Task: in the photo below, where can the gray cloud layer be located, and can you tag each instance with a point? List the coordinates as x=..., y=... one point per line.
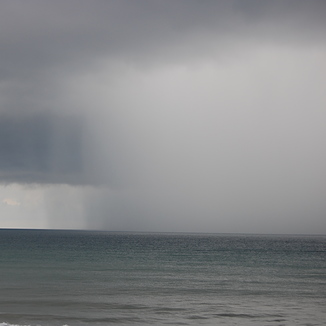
x=44, y=42
x=38, y=36
x=189, y=108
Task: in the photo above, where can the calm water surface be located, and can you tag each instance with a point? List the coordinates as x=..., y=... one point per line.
x=105, y=278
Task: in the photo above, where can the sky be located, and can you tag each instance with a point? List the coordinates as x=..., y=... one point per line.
x=163, y=115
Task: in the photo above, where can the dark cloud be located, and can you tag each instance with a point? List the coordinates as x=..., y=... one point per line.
x=41, y=148
x=38, y=36
x=50, y=148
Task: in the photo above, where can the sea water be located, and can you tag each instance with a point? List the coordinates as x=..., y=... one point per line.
x=106, y=278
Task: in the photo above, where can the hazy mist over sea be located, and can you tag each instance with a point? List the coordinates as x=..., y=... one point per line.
x=195, y=116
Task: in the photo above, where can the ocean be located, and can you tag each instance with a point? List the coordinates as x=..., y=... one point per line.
x=55, y=277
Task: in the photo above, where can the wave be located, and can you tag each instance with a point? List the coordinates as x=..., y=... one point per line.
x=8, y=324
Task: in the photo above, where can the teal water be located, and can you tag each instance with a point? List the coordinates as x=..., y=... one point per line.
x=105, y=278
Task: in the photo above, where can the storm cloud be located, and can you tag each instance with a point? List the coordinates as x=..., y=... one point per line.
x=166, y=115
x=40, y=148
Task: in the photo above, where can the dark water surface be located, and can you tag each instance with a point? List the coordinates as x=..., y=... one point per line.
x=105, y=278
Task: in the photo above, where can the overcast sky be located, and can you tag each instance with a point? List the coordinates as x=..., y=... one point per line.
x=163, y=115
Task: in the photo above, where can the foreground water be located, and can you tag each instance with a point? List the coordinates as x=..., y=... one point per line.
x=102, y=278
